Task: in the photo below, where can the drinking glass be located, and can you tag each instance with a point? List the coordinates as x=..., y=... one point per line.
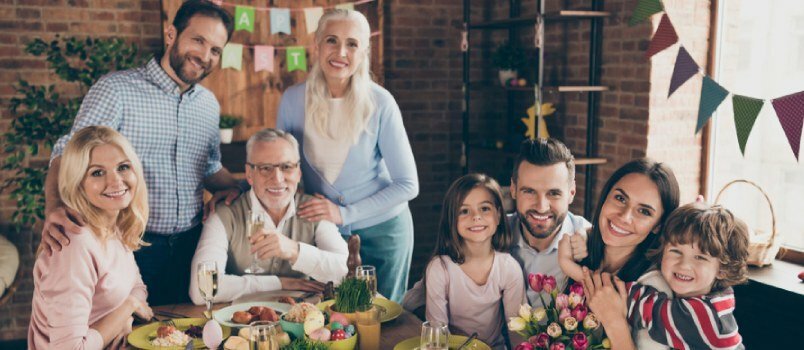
x=255, y=224
x=369, y=274
x=263, y=335
x=207, y=273
x=368, y=327
x=435, y=336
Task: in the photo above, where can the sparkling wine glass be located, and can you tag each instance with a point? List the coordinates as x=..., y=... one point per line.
x=207, y=272
x=263, y=335
x=255, y=225
x=368, y=273
x=435, y=336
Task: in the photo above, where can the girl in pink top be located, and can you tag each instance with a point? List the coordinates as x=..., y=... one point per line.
x=472, y=283
x=85, y=295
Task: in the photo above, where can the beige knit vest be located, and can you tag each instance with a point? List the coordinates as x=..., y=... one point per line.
x=235, y=221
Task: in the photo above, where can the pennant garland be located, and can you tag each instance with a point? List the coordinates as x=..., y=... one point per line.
x=296, y=58
x=346, y=6
x=311, y=17
x=790, y=110
x=684, y=69
x=665, y=37
x=746, y=110
x=232, y=56
x=244, y=18
x=712, y=95
x=280, y=20
x=263, y=58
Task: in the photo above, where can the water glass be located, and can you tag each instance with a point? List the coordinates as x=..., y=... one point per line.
x=263, y=335
x=435, y=336
x=255, y=224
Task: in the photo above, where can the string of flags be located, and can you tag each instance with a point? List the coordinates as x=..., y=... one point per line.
x=789, y=109
x=295, y=56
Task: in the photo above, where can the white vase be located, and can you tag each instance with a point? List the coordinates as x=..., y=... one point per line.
x=226, y=135
x=506, y=74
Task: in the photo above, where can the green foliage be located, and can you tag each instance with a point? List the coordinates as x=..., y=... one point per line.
x=229, y=121
x=508, y=56
x=353, y=294
x=42, y=115
x=305, y=344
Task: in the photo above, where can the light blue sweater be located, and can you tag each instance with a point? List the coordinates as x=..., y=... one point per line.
x=379, y=175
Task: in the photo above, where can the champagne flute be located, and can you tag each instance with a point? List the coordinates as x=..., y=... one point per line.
x=207, y=272
x=263, y=336
x=435, y=336
x=368, y=273
x=255, y=225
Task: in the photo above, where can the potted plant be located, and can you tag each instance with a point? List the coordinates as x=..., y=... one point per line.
x=509, y=59
x=353, y=294
x=227, y=123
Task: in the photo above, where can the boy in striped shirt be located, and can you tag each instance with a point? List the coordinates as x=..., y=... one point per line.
x=702, y=254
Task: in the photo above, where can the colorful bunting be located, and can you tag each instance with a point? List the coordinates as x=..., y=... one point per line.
x=684, y=70
x=790, y=110
x=263, y=58
x=296, y=58
x=746, y=110
x=218, y=2
x=244, y=18
x=665, y=37
x=232, y=56
x=311, y=17
x=645, y=9
x=280, y=20
x=346, y=6
x=712, y=95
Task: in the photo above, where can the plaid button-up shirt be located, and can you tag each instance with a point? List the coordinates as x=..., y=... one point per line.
x=175, y=135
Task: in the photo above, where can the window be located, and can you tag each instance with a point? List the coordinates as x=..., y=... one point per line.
x=760, y=50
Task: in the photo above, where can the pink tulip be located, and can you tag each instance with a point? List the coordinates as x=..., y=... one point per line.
x=542, y=340
x=579, y=341
x=549, y=283
x=577, y=288
x=579, y=312
x=535, y=281
x=557, y=346
x=562, y=301
x=563, y=314
x=524, y=346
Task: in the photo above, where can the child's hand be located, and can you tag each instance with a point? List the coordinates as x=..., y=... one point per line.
x=565, y=258
x=578, y=243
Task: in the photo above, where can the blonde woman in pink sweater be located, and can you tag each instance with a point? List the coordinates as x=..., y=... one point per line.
x=85, y=294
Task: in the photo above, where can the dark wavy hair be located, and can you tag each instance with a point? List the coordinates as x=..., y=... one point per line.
x=205, y=8
x=448, y=241
x=638, y=263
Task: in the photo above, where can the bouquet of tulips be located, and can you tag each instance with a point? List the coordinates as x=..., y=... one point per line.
x=565, y=322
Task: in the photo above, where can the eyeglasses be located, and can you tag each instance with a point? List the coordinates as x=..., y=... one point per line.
x=268, y=169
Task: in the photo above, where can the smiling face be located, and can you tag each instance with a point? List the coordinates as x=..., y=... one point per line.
x=631, y=212
x=478, y=217
x=689, y=271
x=275, y=174
x=195, y=53
x=543, y=195
x=341, y=51
x=110, y=181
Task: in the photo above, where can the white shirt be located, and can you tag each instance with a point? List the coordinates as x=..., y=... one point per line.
x=325, y=261
x=325, y=154
x=546, y=261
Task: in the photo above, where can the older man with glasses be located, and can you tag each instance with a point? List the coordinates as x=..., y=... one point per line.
x=295, y=254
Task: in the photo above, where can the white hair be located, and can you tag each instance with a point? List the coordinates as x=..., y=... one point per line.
x=271, y=135
x=358, y=100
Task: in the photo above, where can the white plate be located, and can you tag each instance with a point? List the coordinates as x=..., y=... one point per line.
x=224, y=316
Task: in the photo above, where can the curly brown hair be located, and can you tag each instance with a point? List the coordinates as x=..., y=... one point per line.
x=717, y=232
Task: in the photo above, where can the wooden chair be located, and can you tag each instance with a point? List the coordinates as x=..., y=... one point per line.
x=12, y=288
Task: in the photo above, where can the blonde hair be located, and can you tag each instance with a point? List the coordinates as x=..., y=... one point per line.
x=74, y=165
x=358, y=101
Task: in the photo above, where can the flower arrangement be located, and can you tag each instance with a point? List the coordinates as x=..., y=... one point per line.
x=565, y=323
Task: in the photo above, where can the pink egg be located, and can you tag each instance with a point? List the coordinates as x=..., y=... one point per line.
x=340, y=318
x=321, y=334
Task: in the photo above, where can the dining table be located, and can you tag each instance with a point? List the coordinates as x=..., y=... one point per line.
x=392, y=332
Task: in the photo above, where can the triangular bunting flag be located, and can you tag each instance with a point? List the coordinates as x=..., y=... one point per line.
x=280, y=20
x=244, y=18
x=232, y=56
x=263, y=58
x=684, y=70
x=311, y=17
x=746, y=110
x=790, y=110
x=644, y=9
x=665, y=37
x=346, y=6
x=712, y=95
x=296, y=58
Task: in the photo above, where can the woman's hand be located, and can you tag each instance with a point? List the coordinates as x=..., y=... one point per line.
x=320, y=208
x=607, y=300
x=143, y=311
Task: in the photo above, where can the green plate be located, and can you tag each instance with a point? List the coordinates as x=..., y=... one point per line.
x=142, y=336
x=392, y=309
x=454, y=342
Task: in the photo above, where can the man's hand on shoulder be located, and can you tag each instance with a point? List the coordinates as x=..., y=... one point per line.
x=59, y=221
x=227, y=196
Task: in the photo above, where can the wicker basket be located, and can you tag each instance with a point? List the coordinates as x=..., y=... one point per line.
x=762, y=251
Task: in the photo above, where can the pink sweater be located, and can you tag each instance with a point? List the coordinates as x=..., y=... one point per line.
x=77, y=287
